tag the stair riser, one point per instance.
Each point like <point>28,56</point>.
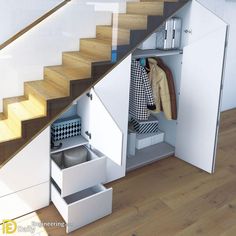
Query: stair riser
<point>116,37</point>
<point>95,49</point>
<point>99,69</point>
<point>153,21</point>
<point>15,124</point>
<point>55,78</point>
<point>78,87</point>
<point>145,8</point>
<point>74,62</point>
<point>7,101</point>
<point>39,101</point>
<point>132,22</point>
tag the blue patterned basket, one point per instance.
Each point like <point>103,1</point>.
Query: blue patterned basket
<point>66,128</point>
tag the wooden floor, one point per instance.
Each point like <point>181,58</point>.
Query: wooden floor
<point>170,197</point>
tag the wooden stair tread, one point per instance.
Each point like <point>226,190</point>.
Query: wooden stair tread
<point>45,89</point>
<point>95,46</point>
<point>85,56</point>
<point>70,73</point>
<point>116,35</point>
<point>130,21</point>
<point>97,41</point>
<point>146,8</point>
<point>14,99</point>
<point>7,134</point>
<point>24,110</point>
<point>110,27</point>
<point>7,101</point>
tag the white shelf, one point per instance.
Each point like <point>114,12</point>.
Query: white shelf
<point>139,53</point>
<point>70,143</point>
<point>149,155</point>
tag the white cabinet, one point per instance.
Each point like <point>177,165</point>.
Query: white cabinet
<point>198,75</point>
<point>76,191</point>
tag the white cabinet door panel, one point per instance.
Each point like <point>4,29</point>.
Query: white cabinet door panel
<point>84,110</point>
<point>199,21</point>
<point>200,99</point>
<point>105,133</point>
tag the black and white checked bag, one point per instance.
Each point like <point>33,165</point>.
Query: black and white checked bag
<point>66,128</point>
<point>145,127</point>
<point>141,96</point>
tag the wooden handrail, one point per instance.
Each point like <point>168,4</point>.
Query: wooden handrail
<point>29,27</point>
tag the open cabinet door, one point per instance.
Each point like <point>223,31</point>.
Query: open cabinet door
<point>105,133</point>
<point>200,92</point>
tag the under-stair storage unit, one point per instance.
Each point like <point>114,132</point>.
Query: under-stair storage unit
<point>197,68</point>
<point>77,190</point>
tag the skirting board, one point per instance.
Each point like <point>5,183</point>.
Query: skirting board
<point>24,201</point>
<point>148,155</point>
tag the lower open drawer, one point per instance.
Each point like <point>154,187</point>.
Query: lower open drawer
<point>83,207</point>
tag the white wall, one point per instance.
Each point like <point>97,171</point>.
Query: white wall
<point>15,15</point>
<point>226,9</point>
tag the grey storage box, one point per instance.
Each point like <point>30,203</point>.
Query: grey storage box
<point>164,36</point>
<point>168,35</point>
<point>147,126</point>
<point>146,140</point>
<point>176,38</point>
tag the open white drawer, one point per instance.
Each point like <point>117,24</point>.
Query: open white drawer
<point>81,176</point>
<point>83,207</point>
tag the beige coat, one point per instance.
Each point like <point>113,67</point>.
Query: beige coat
<point>160,88</point>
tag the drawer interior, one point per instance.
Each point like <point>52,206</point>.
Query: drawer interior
<point>84,194</point>
<point>92,154</point>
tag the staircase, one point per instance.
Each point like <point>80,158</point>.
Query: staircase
<point>24,117</point>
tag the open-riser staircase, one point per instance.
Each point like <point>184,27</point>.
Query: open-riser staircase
<point>24,117</point>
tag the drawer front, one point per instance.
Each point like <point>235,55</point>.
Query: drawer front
<point>83,211</point>
<point>79,177</point>
<point>24,201</point>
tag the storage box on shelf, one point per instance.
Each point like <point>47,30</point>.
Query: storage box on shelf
<point>145,126</point>
<point>146,140</point>
<point>66,128</point>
